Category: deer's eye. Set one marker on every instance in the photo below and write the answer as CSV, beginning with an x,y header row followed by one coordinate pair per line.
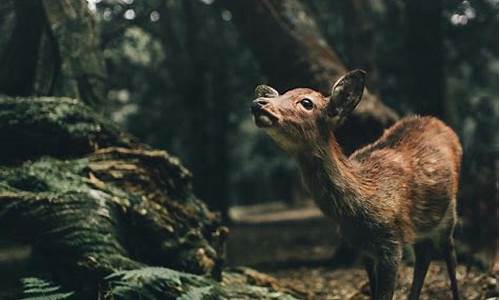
x,y
307,103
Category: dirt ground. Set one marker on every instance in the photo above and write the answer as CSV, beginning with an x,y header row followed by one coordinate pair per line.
x,y
296,246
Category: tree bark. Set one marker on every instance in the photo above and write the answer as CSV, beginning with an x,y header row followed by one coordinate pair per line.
x,y
19,57
82,70
293,53
59,53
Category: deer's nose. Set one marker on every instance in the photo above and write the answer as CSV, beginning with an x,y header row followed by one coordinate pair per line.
x,y
258,104
261,102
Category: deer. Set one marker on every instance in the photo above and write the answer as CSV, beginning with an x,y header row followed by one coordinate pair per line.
x,y
399,191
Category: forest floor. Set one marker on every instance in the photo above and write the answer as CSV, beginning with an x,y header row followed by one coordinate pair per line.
x,y
296,246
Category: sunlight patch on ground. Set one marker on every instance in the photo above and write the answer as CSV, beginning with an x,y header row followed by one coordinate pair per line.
x,y
273,212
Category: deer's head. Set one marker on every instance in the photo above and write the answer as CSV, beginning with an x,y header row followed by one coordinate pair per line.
x,y
300,117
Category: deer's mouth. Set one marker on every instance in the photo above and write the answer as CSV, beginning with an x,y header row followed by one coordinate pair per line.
x,y
264,118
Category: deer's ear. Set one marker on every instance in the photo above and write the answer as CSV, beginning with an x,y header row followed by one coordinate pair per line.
x,y
265,91
346,94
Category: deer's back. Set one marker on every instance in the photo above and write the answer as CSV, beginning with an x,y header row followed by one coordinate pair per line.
x,y
416,165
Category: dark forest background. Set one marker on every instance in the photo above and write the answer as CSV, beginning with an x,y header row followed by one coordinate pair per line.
x,y
180,75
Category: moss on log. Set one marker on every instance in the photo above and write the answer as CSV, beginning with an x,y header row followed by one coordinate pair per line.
x,y
91,217
93,230
34,126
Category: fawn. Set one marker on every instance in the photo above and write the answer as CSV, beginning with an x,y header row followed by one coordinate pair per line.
x,y
399,190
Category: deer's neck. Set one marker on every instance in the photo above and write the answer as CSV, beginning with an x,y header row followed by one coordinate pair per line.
x,y
333,180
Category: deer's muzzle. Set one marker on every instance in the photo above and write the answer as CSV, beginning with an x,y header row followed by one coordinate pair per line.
x,y
262,116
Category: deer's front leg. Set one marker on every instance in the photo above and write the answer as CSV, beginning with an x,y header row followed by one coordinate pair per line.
x,y
387,271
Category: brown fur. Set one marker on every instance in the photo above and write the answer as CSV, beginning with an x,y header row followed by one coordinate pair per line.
x,y
399,190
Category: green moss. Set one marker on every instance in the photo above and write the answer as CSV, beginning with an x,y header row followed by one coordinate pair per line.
x,y
64,127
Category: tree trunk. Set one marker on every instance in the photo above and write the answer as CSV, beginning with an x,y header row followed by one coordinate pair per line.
x,y
292,52
18,60
59,53
360,39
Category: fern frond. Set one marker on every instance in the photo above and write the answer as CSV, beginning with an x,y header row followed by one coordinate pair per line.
x,y
39,289
153,283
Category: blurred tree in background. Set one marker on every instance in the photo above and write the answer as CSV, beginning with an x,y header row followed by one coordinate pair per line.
x,y
186,52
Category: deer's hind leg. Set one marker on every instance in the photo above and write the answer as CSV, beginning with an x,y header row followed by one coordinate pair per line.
x,y
447,245
451,263
423,257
